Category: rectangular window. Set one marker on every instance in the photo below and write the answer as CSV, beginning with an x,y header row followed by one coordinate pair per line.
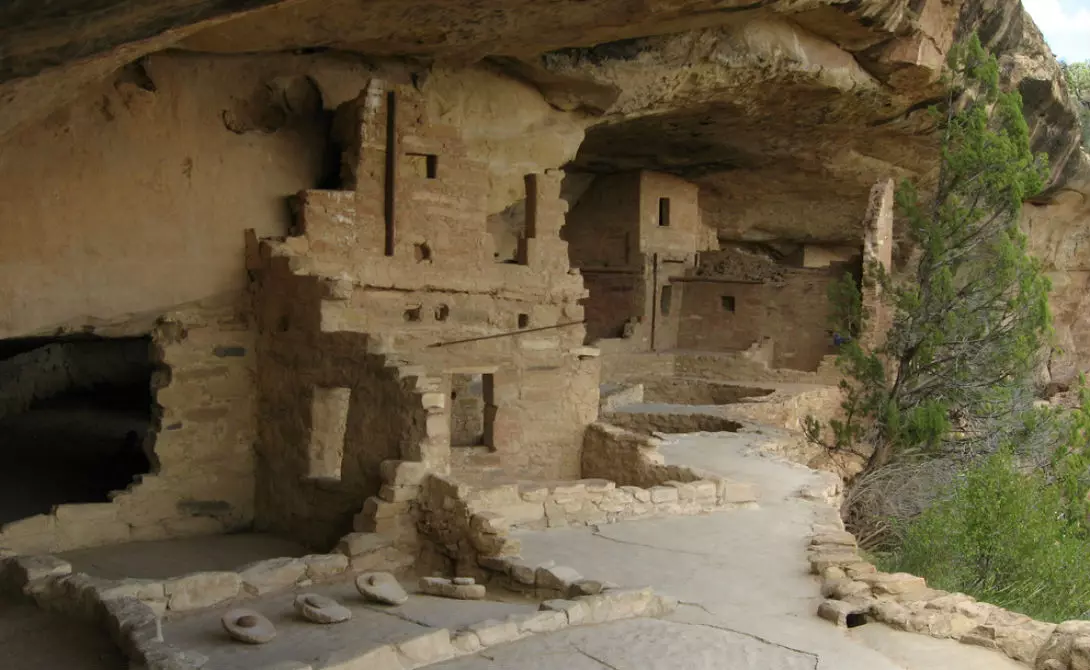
x,y
728,303
664,299
424,165
328,423
664,211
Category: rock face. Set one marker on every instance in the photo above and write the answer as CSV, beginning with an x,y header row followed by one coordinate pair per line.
x,y
783,115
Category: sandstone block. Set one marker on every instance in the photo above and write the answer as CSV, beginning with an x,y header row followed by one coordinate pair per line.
x,y
500,564
380,658
891,613
271,575
663,494
403,473
638,494
356,544
568,492
324,566
390,559
376,508
524,573
858,569
534,494
398,494
836,611
201,589
835,538
465,642
584,587
542,621
141,589
597,486
576,611
492,632
685,491
556,578
821,562
428,648
896,584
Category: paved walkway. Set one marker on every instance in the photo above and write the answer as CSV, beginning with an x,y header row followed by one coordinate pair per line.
x,y
741,575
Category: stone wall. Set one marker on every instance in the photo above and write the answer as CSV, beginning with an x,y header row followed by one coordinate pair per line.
x,y
167,140
632,234
857,592
391,290
791,312
203,477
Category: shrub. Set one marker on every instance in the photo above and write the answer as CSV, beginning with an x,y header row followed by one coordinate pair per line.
x,y
1005,537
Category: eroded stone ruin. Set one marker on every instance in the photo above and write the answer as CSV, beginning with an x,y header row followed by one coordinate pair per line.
x,y
369,274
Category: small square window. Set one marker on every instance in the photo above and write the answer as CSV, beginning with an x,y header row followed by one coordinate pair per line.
x,y
727,301
664,211
424,165
524,321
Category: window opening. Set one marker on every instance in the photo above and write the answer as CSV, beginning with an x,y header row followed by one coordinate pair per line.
x,y
664,212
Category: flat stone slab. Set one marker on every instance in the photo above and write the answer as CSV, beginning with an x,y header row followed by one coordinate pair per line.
x,y
649,644
297,639
381,587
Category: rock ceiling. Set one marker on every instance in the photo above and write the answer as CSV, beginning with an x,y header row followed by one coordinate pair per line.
x,y
778,108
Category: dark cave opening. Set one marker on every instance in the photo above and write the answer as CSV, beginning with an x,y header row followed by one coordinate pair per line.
x,y
76,421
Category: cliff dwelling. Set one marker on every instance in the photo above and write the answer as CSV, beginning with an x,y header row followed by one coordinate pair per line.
x,y
294,293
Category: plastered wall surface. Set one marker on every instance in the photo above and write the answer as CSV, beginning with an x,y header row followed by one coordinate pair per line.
x,y
134,198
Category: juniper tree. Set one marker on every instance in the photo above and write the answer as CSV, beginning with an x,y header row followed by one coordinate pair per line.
x,y
971,310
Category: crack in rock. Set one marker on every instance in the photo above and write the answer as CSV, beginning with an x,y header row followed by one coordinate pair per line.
x,y
596,532
592,657
752,636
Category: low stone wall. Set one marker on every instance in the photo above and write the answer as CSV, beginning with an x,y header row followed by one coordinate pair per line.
x,y
612,396
633,460
648,423
689,391
857,591
132,610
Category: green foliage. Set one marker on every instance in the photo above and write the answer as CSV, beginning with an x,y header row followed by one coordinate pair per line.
x,y
1006,537
846,314
1078,85
970,319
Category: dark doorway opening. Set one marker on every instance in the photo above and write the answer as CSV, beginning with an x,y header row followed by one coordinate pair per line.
x,y
76,418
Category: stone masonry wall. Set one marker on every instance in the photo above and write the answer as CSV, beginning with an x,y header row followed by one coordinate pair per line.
x,y
203,482
468,527
391,289
792,313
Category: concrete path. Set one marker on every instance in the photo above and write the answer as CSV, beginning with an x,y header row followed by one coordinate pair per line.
x,y
748,601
